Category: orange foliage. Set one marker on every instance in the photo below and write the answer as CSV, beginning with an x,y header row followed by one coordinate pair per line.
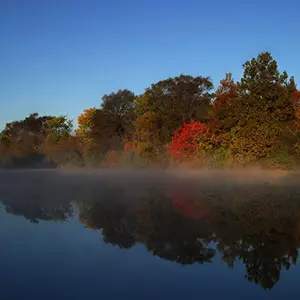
x,y
225,94
146,125
85,121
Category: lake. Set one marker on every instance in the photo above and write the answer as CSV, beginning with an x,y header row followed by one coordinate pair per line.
x,y
148,235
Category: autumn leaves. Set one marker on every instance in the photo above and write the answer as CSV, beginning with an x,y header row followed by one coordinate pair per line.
x,y
253,121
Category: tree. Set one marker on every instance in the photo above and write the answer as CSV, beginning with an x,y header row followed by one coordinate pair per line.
x,y
192,142
296,103
22,139
97,134
294,133
263,109
292,87
179,100
142,105
86,124
119,107
28,132
149,135
60,145
220,114
59,126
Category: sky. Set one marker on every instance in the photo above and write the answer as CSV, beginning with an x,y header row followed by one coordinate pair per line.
x,y
61,57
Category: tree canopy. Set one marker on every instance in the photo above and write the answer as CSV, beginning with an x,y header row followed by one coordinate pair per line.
x,y
254,120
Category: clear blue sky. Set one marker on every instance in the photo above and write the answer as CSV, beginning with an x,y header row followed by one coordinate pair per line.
x,y
60,57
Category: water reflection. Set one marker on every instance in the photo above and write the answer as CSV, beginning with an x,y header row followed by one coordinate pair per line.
x,y
185,222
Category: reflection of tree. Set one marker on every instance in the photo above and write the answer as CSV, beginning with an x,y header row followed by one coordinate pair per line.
x,y
257,225
36,196
260,231
169,235
37,210
106,210
263,261
148,220
114,221
183,204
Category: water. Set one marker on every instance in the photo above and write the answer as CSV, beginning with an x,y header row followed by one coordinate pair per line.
x,y
147,235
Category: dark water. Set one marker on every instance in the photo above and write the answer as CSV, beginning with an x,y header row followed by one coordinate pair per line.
x,y
144,235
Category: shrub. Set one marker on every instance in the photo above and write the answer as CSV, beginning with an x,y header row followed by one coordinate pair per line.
x,y
192,142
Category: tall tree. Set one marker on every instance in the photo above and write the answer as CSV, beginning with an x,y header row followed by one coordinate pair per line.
x,y
24,138
142,105
220,114
85,124
179,100
97,134
263,110
60,145
119,107
149,135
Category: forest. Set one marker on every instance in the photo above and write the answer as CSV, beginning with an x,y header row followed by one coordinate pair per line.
x,y
179,121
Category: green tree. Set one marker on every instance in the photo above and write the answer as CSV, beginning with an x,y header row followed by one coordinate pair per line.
x,y
21,140
142,104
96,134
220,114
60,145
179,100
119,107
263,109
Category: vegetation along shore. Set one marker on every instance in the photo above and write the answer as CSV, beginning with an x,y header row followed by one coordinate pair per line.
x,y
182,121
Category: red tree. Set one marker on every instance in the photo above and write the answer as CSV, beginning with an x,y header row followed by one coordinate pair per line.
x,y
225,94
188,139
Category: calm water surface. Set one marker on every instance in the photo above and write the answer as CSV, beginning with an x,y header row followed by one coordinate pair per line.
x,y
125,235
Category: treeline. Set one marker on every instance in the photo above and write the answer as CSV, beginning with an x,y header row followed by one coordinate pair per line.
x,y
180,120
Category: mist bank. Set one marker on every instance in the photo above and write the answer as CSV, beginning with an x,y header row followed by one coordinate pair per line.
x,y
130,176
